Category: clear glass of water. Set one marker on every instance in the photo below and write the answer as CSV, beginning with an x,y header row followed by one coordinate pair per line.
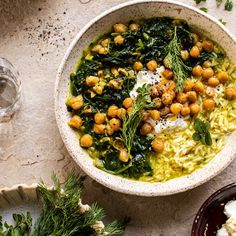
x,y
10,101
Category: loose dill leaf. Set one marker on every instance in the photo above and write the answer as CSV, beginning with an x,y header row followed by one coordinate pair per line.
x,y
229,5
204,9
222,22
132,121
218,2
175,62
199,1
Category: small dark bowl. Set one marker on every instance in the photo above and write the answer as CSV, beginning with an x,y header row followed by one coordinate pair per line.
x,y
210,216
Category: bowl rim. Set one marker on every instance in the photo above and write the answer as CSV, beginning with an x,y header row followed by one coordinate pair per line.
x,y
206,203
93,175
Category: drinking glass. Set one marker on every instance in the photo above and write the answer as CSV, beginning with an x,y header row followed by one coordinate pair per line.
x,y
10,101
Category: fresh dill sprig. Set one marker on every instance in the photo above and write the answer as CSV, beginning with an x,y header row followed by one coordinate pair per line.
x,y
229,5
132,121
175,63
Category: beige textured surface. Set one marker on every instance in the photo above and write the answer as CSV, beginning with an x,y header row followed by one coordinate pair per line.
x,y
37,149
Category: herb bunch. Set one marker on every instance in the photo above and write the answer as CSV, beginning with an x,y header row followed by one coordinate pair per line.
x,y
202,133
62,214
175,62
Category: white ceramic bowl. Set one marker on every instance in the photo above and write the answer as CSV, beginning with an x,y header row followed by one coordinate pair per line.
x,y
101,24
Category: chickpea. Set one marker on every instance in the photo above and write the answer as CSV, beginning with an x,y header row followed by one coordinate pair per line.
x,y
166,98
99,118
75,122
230,93
158,145
145,115
197,71
195,38
129,110
120,28
175,108
194,52
128,102
146,129
116,84
115,124
157,102
223,76
123,71
188,85
155,114
105,42
152,65
182,98
192,96
161,87
154,92
96,48
164,111
98,89
171,85
210,92
207,45
207,64
133,27
109,130
99,128
207,73
209,104
199,45
91,80
112,111
119,39
124,156
138,66
185,111
114,71
194,108
172,93
86,141
168,74
103,51
121,112
198,87
184,55
213,82
76,102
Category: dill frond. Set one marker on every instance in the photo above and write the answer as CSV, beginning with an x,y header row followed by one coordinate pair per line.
x,y
175,62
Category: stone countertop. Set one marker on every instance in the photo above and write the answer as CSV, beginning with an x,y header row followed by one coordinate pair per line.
x,y
34,37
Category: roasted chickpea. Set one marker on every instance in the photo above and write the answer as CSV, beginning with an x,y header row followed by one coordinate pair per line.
x,y
188,85
120,28
133,27
75,122
99,118
209,104
170,85
185,111
166,98
230,93
76,102
138,66
154,92
129,110
114,71
119,39
115,124
213,81
175,108
96,48
124,156
198,87
146,129
91,80
98,89
194,108
164,111
99,128
207,45
158,145
86,141
184,55
194,52
155,114
172,93
105,42
116,84
157,102
197,71
128,102
182,98
152,65
145,115
112,111
103,51
207,64
223,76
121,112
210,92
199,45
192,96
161,87
195,38
207,73
168,74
